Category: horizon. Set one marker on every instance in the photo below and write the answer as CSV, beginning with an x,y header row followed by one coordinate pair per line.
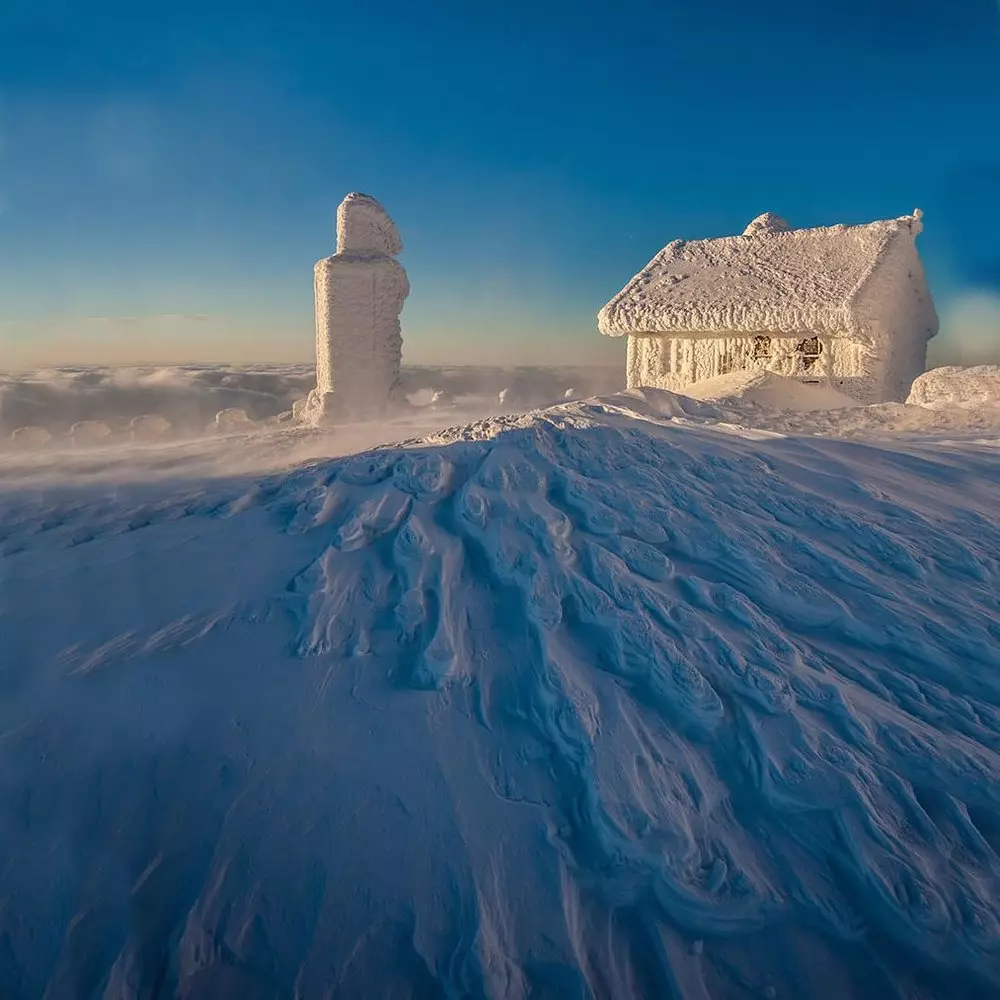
x,y
168,181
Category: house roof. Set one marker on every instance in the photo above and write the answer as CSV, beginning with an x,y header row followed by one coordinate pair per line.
x,y
772,279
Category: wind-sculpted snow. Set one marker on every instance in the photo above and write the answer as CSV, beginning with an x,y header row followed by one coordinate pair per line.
x,y
583,703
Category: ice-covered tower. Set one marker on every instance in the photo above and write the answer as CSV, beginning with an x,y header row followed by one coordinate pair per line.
x,y
359,295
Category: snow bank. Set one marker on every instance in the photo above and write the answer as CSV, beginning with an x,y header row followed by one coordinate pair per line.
x,y
587,703
955,387
762,388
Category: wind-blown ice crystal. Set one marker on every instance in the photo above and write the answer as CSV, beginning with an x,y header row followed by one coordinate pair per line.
x,y
359,295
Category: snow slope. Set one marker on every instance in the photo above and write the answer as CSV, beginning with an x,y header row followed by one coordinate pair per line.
x,y
618,699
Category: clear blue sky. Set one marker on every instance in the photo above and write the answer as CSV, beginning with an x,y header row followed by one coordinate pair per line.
x,y
169,172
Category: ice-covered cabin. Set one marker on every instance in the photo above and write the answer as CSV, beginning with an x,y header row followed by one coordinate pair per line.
x,y
846,306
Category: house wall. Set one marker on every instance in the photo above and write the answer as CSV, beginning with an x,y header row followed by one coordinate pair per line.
x,y
674,362
897,306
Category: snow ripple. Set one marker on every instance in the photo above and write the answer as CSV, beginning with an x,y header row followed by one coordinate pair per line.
x,y
764,698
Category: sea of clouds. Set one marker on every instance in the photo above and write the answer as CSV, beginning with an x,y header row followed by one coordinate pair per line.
x,y
189,397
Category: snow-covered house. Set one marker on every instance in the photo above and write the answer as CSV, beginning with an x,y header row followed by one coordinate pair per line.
x,y
846,306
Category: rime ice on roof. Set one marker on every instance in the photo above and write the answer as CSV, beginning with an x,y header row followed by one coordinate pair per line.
x,y
359,295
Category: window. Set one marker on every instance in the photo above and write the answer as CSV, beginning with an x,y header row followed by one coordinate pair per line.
x,y
809,351
761,348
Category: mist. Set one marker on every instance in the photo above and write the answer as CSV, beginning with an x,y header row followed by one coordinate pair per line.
x,y
190,396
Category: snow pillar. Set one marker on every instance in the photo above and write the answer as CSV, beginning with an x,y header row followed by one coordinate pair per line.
x,y
359,295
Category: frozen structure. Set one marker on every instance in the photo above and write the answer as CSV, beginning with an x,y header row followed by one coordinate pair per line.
x,y
844,306
359,295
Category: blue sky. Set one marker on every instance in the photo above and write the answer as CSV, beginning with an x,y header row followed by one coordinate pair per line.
x,y
169,173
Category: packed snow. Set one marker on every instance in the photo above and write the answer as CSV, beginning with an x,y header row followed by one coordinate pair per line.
x,y
637,695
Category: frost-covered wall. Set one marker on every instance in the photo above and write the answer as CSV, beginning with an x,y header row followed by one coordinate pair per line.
x,y
674,362
896,304
360,292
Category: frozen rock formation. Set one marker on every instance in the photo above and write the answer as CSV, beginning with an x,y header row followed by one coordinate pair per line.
x,y
359,295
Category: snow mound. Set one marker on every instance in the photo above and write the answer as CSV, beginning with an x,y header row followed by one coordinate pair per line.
x,y
582,703
955,387
762,388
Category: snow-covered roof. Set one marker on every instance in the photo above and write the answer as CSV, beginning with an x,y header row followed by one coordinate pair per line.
x,y
772,279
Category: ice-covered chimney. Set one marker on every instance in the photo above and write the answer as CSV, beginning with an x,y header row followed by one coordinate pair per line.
x,y
359,295
767,223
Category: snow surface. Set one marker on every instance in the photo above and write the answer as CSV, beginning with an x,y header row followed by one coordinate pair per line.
x,y
636,696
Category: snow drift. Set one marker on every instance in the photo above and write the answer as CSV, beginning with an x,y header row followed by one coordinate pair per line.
x,y
965,388
595,702
767,389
